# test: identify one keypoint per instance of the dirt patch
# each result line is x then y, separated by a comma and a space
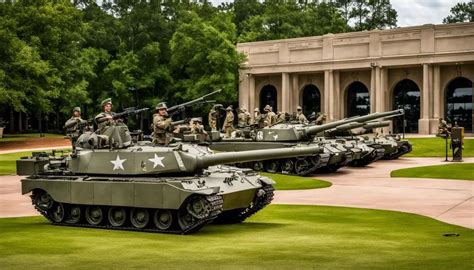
34, 143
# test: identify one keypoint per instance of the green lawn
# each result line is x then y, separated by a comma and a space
463, 171
27, 136
289, 182
435, 147
279, 237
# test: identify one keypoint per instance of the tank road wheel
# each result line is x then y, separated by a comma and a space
301, 166
139, 217
57, 212
73, 214
43, 200
271, 166
287, 166
196, 208
94, 215
117, 216
163, 219
257, 166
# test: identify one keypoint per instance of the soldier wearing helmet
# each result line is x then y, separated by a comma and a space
243, 117
300, 115
162, 128
270, 116
228, 122
212, 118
74, 125
105, 119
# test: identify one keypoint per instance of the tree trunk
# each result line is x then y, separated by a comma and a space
12, 121
20, 122
40, 126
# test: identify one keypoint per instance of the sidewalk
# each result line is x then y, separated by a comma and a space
372, 187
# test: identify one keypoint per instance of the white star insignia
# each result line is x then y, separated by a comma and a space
157, 161
118, 163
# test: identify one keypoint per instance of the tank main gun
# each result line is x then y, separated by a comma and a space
201, 100
313, 130
254, 155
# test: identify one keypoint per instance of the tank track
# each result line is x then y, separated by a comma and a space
239, 215
215, 201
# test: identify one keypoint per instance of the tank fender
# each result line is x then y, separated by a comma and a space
267, 180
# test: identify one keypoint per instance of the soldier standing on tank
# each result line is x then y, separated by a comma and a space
213, 115
105, 119
300, 115
228, 122
74, 125
162, 128
270, 116
242, 118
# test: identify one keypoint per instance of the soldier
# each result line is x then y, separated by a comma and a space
228, 122
195, 126
270, 116
243, 118
321, 119
105, 119
213, 115
162, 128
281, 117
301, 117
74, 125
248, 117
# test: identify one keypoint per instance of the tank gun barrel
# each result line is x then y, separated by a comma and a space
254, 155
372, 125
358, 119
201, 100
349, 126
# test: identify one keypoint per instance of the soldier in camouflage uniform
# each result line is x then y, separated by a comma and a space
281, 117
244, 118
74, 125
228, 122
162, 128
213, 114
105, 119
300, 115
270, 116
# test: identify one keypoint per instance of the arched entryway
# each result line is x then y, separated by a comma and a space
357, 99
458, 103
268, 96
311, 99
406, 95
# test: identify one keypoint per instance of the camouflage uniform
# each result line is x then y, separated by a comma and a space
102, 123
162, 128
213, 119
281, 118
229, 122
73, 130
242, 117
270, 116
300, 115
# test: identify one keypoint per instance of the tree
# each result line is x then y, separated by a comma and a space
203, 58
461, 12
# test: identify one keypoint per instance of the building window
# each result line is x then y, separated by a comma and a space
406, 95
458, 107
311, 99
358, 102
268, 96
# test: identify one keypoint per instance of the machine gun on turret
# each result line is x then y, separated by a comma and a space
126, 113
201, 100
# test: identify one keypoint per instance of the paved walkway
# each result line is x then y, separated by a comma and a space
371, 187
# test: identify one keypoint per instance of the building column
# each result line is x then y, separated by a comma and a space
252, 102
244, 90
373, 89
295, 95
337, 96
328, 88
437, 100
381, 97
424, 122
285, 92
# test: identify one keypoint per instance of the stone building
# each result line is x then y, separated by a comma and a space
428, 70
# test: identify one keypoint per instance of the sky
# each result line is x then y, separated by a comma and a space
415, 12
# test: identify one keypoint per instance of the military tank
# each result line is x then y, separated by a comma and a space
334, 154
139, 186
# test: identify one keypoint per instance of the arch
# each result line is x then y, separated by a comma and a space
357, 99
406, 95
310, 99
458, 103
268, 95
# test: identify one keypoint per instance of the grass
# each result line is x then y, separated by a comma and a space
291, 182
280, 237
435, 147
464, 171
28, 136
